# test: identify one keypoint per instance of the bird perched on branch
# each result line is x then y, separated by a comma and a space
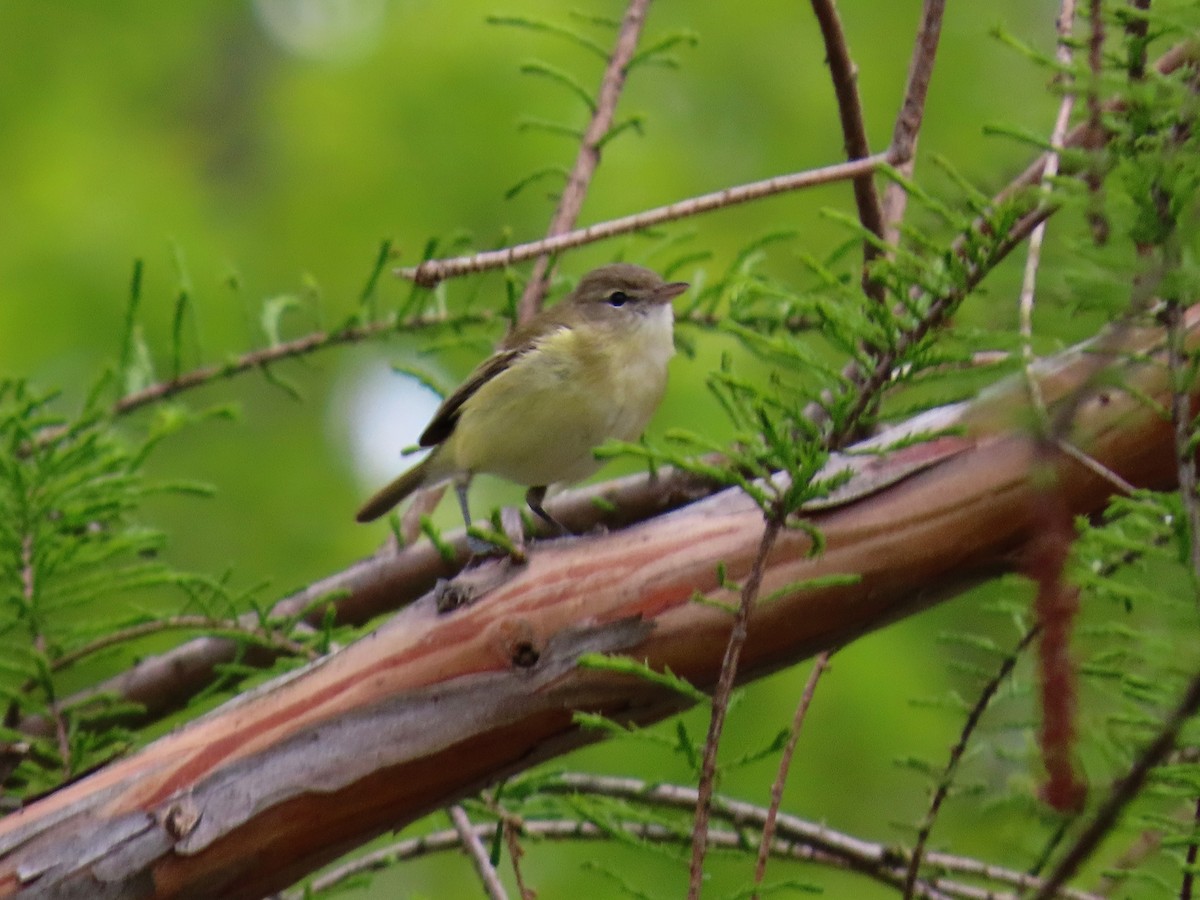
590, 369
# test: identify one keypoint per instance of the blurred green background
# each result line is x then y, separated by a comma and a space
246, 151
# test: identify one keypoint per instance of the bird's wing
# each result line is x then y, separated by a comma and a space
446, 417
517, 344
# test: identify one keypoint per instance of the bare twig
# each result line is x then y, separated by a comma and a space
867, 384
720, 702
571, 200
883, 862
956, 754
785, 763
471, 843
266, 356
576, 830
912, 110
432, 271
1123, 792
844, 74
1065, 25
512, 840
1094, 177
1093, 465
235, 628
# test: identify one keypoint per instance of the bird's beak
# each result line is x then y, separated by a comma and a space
666, 292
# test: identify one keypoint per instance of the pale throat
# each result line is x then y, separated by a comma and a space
651, 343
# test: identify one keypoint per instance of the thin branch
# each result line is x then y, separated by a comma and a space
512, 840
912, 111
867, 384
956, 754
571, 200
469, 838
720, 703
577, 830
1095, 122
433, 271
1065, 26
1093, 465
430, 272
225, 627
785, 763
1123, 792
844, 74
265, 356
883, 862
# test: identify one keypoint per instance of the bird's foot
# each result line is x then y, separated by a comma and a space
488, 543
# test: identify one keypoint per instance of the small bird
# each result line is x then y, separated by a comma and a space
590, 369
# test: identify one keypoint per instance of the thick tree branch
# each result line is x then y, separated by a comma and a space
435, 704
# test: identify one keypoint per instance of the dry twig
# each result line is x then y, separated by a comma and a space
785, 762
433, 271
956, 754
912, 111
720, 702
571, 200
844, 75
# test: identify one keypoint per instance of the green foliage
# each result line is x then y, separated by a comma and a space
625, 666
69, 542
81, 578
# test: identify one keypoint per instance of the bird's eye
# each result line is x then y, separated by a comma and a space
618, 298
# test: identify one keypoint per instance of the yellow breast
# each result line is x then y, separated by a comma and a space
538, 422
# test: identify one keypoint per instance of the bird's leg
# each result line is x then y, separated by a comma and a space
477, 546
534, 497
460, 488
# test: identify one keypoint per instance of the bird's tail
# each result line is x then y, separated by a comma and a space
393, 493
